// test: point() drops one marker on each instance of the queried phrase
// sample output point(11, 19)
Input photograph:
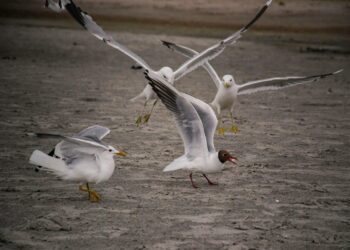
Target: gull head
point(114, 151)
point(168, 74)
point(224, 156)
point(228, 81)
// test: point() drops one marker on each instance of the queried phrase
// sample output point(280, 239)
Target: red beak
point(233, 159)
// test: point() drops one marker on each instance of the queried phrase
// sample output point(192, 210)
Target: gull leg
point(193, 185)
point(85, 188)
point(139, 117)
point(93, 195)
point(147, 116)
point(220, 130)
point(234, 129)
point(209, 181)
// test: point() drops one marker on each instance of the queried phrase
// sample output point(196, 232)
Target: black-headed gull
point(166, 72)
point(82, 157)
point(196, 122)
point(228, 89)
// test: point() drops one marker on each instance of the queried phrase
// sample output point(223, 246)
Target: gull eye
point(110, 150)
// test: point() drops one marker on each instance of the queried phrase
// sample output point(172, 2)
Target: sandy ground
point(290, 190)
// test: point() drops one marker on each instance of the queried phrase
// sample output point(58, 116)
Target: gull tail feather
point(52, 164)
point(177, 164)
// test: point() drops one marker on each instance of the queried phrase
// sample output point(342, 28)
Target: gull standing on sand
point(228, 89)
point(196, 122)
point(165, 72)
point(82, 157)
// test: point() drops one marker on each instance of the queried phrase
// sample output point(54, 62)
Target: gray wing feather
point(77, 141)
point(188, 52)
point(279, 82)
point(187, 119)
point(96, 133)
point(90, 25)
point(208, 118)
point(216, 49)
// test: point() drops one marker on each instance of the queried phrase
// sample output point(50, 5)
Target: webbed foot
point(234, 129)
point(94, 196)
point(209, 181)
point(221, 131)
point(138, 121)
point(83, 188)
point(146, 118)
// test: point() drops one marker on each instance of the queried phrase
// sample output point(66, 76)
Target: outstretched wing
point(216, 49)
point(77, 141)
point(89, 24)
point(188, 52)
point(187, 119)
point(279, 82)
point(208, 118)
point(72, 148)
point(95, 133)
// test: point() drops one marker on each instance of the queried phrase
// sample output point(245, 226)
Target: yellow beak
point(227, 85)
point(121, 153)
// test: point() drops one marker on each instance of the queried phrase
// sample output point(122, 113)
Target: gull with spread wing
point(228, 89)
point(166, 73)
point(196, 122)
point(82, 157)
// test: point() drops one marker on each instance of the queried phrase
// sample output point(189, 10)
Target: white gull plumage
point(228, 89)
point(196, 122)
point(167, 73)
point(82, 157)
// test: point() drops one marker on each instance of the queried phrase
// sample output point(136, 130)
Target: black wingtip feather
point(166, 95)
point(257, 16)
point(76, 13)
point(166, 43)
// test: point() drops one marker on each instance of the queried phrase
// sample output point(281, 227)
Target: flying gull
point(228, 89)
point(166, 72)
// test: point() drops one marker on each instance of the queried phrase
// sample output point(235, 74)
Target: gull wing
point(187, 118)
point(73, 148)
point(216, 49)
point(208, 118)
point(77, 141)
point(95, 133)
point(85, 20)
point(188, 52)
point(279, 82)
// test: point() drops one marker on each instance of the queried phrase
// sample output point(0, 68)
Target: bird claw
point(234, 129)
point(146, 118)
point(221, 131)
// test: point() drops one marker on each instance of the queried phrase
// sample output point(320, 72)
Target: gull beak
point(121, 153)
point(227, 85)
point(233, 159)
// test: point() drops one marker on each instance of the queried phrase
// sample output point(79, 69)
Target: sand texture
point(290, 190)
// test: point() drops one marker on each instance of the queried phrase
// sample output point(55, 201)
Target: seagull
point(165, 72)
point(196, 122)
point(82, 157)
point(228, 89)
